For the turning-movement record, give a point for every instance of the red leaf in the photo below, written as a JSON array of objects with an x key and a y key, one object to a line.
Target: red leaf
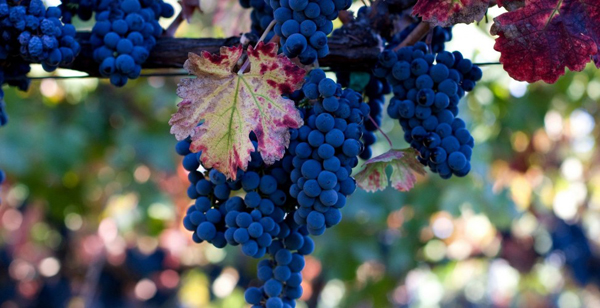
[
  {"x": 445, "y": 13},
  {"x": 538, "y": 41}
]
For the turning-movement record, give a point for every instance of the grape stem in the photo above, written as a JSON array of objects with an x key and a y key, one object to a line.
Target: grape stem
[
  {"x": 262, "y": 38},
  {"x": 170, "y": 32},
  {"x": 429, "y": 40},
  {"x": 381, "y": 131},
  {"x": 416, "y": 35}
]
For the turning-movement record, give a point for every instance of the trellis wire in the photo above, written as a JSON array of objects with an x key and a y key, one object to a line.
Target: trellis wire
[{"x": 172, "y": 74}]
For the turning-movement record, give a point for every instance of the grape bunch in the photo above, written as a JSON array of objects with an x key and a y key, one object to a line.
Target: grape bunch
[
  {"x": 271, "y": 210},
  {"x": 426, "y": 97},
  {"x": 303, "y": 26},
  {"x": 281, "y": 275},
  {"x": 256, "y": 221},
  {"x": 439, "y": 37},
  {"x": 36, "y": 34},
  {"x": 326, "y": 150},
  {"x": 251, "y": 221},
  {"x": 124, "y": 34},
  {"x": 261, "y": 16},
  {"x": 571, "y": 241}
]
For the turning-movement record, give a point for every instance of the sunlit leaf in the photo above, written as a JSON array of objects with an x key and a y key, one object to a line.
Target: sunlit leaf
[{"x": 233, "y": 105}]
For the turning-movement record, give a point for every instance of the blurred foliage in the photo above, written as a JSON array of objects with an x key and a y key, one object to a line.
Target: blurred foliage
[{"x": 92, "y": 209}]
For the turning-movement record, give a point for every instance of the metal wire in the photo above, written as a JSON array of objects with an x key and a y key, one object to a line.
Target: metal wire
[
  {"x": 170, "y": 74},
  {"x": 173, "y": 74}
]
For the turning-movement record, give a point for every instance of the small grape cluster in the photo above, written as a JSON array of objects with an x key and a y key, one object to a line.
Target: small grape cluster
[
  {"x": 426, "y": 97},
  {"x": 303, "y": 26},
  {"x": 439, "y": 37},
  {"x": 261, "y": 16},
  {"x": 124, "y": 34},
  {"x": 220, "y": 220},
  {"x": 281, "y": 275},
  {"x": 326, "y": 150},
  {"x": 36, "y": 34}
]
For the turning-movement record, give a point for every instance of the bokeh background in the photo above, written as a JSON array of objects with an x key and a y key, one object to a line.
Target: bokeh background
[{"x": 91, "y": 211}]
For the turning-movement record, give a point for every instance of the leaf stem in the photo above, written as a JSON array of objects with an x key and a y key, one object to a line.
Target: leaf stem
[
  {"x": 262, "y": 38},
  {"x": 381, "y": 131},
  {"x": 266, "y": 32}
]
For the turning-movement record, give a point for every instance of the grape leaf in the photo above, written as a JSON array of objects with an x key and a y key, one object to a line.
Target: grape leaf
[
  {"x": 404, "y": 165},
  {"x": 445, "y": 13},
  {"x": 232, "y": 105},
  {"x": 539, "y": 40}
]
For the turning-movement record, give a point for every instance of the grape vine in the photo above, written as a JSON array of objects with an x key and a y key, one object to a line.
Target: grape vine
[{"x": 270, "y": 145}]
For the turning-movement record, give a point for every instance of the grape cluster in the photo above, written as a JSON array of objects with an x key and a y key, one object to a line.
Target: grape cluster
[
  {"x": 281, "y": 275},
  {"x": 276, "y": 208},
  {"x": 326, "y": 150},
  {"x": 250, "y": 221},
  {"x": 426, "y": 97},
  {"x": 571, "y": 241},
  {"x": 261, "y": 16},
  {"x": 256, "y": 222},
  {"x": 124, "y": 34},
  {"x": 439, "y": 37},
  {"x": 303, "y": 26},
  {"x": 36, "y": 34}
]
